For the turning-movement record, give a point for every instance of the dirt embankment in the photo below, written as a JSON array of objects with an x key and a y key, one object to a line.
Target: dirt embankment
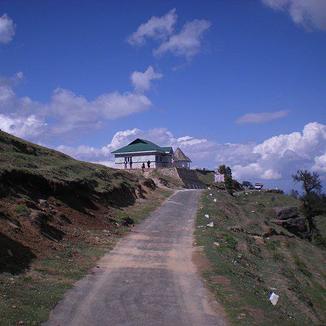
[{"x": 47, "y": 197}]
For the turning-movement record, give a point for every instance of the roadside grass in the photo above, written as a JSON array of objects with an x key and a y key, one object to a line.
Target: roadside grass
[
  {"x": 27, "y": 298},
  {"x": 247, "y": 265},
  {"x": 205, "y": 176}
]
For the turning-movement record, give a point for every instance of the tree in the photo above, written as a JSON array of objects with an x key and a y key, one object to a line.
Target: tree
[
  {"x": 248, "y": 184},
  {"x": 222, "y": 169},
  {"x": 312, "y": 201},
  {"x": 227, "y": 172},
  {"x": 310, "y": 181}
]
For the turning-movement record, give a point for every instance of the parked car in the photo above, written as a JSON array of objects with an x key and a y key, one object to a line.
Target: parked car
[{"x": 258, "y": 186}]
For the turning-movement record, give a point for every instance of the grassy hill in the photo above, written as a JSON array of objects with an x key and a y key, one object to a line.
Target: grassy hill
[
  {"x": 29, "y": 168},
  {"x": 57, "y": 217},
  {"x": 249, "y": 256}
]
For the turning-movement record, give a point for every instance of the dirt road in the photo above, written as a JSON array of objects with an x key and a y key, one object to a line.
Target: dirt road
[{"x": 148, "y": 279}]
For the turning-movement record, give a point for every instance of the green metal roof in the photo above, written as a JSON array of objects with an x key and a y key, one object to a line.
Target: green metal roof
[{"x": 142, "y": 145}]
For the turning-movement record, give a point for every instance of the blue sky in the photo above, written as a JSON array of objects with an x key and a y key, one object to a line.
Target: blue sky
[{"x": 221, "y": 79}]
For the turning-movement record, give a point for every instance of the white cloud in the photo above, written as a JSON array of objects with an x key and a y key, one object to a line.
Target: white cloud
[
  {"x": 75, "y": 111},
  {"x": 186, "y": 43},
  {"x": 142, "y": 80},
  {"x": 262, "y": 117},
  {"x": 309, "y": 13},
  {"x": 280, "y": 156},
  {"x": 201, "y": 148},
  {"x": 29, "y": 126},
  {"x": 155, "y": 27},
  {"x": 304, "y": 145},
  {"x": 7, "y": 29},
  {"x": 320, "y": 163},
  {"x": 274, "y": 159},
  {"x": 109, "y": 164},
  {"x": 68, "y": 111}
]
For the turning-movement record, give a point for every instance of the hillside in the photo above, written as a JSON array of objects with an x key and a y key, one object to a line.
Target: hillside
[
  {"x": 57, "y": 217},
  {"x": 40, "y": 188},
  {"x": 250, "y": 255},
  {"x": 28, "y": 168},
  {"x": 177, "y": 177}
]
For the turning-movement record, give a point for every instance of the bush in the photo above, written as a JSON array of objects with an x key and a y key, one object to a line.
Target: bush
[{"x": 21, "y": 210}]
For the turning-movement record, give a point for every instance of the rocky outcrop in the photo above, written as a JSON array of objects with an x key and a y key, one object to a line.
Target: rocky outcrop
[{"x": 291, "y": 220}]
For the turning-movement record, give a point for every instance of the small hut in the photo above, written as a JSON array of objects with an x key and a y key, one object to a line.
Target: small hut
[
  {"x": 142, "y": 152},
  {"x": 180, "y": 159}
]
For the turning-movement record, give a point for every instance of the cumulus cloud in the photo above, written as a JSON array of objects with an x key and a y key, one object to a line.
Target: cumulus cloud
[
  {"x": 155, "y": 28},
  {"x": 309, "y": 13},
  {"x": 68, "y": 111},
  {"x": 29, "y": 126},
  {"x": 142, "y": 80},
  {"x": 279, "y": 156},
  {"x": 74, "y": 111},
  {"x": 7, "y": 29},
  {"x": 274, "y": 159},
  {"x": 262, "y": 117},
  {"x": 186, "y": 43},
  {"x": 320, "y": 163}
]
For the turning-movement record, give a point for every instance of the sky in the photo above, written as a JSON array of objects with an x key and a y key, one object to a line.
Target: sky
[{"x": 236, "y": 82}]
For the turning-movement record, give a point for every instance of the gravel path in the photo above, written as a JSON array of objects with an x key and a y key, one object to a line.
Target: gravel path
[{"x": 149, "y": 278}]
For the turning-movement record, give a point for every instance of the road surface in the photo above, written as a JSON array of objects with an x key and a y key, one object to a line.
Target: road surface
[{"x": 149, "y": 278}]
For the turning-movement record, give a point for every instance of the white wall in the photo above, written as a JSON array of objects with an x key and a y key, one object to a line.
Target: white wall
[{"x": 139, "y": 159}]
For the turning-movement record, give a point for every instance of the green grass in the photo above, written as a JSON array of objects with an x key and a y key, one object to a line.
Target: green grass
[
  {"x": 206, "y": 177},
  {"x": 252, "y": 266},
  {"x": 21, "y": 209},
  {"x": 30, "y": 296},
  {"x": 34, "y": 160}
]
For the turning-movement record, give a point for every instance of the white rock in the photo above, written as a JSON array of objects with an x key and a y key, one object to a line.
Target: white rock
[
  {"x": 210, "y": 225},
  {"x": 214, "y": 200},
  {"x": 206, "y": 215}
]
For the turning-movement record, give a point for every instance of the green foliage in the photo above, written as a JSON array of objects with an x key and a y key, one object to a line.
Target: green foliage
[
  {"x": 205, "y": 176},
  {"x": 313, "y": 203},
  {"x": 227, "y": 172},
  {"x": 310, "y": 181},
  {"x": 21, "y": 210},
  {"x": 230, "y": 241}
]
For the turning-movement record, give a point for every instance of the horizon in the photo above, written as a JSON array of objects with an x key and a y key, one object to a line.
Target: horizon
[{"x": 229, "y": 82}]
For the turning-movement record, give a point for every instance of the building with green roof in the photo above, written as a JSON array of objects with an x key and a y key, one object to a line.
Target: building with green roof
[{"x": 143, "y": 153}]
